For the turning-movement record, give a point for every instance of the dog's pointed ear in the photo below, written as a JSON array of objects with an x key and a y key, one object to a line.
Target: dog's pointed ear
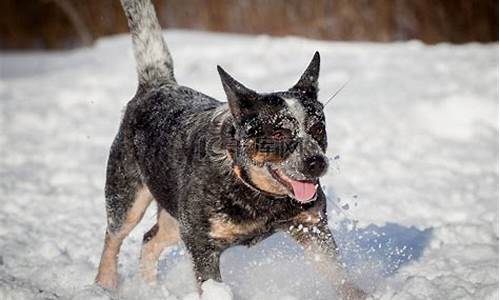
[
  {"x": 309, "y": 79},
  {"x": 240, "y": 98}
]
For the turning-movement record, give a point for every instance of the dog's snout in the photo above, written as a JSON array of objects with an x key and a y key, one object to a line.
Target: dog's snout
[{"x": 316, "y": 165}]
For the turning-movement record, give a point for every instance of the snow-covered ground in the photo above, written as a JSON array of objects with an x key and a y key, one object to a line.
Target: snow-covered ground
[{"x": 413, "y": 187}]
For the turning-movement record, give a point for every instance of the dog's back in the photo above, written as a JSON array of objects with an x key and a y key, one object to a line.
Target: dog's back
[{"x": 160, "y": 123}]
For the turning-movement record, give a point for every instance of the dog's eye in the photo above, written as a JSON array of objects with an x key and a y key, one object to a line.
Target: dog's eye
[{"x": 278, "y": 135}]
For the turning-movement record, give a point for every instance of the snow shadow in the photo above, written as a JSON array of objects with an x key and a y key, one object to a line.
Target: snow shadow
[
  {"x": 376, "y": 252},
  {"x": 276, "y": 267}
]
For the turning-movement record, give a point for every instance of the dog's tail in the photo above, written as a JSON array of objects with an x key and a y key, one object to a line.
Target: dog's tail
[{"x": 154, "y": 63}]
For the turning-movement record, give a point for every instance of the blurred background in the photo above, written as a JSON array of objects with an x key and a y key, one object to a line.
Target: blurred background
[{"x": 55, "y": 24}]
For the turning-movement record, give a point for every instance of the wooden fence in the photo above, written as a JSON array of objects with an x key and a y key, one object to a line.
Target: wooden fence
[{"x": 71, "y": 23}]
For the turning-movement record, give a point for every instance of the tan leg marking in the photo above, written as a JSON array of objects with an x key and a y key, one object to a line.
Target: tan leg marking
[
  {"x": 165, "y": 234},
  {"x": 107, "y": 276}
]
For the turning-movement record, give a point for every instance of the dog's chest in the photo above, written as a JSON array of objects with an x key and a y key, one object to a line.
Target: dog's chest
[{"x": 229, "y": 230}]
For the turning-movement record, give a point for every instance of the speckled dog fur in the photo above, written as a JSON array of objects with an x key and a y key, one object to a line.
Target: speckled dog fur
[{"x": 210, "y": 165}]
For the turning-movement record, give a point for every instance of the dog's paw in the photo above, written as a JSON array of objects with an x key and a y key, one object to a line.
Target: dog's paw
[
  {"x": 213, "y": 290},
  {"x": 93, "y": 292},
  {"x": 107, "y": 281},
  {"x": 349, "y": 292}
]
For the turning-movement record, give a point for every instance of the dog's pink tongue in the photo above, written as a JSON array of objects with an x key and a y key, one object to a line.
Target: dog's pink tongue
[{"x": 303, "y": 191}]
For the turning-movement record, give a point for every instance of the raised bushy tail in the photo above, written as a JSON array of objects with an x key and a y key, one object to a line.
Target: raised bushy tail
[{"x": 154, "y": 63}]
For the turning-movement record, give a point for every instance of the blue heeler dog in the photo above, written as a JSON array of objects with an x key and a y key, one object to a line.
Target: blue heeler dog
[{"x": 222, "y": 174}]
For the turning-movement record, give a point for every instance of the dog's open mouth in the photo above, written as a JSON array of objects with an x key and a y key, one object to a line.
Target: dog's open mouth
[{"x": 303, "y": 191}]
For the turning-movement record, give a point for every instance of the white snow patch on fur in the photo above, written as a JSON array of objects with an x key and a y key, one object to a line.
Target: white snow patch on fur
[{"x": 298, "y": 113}]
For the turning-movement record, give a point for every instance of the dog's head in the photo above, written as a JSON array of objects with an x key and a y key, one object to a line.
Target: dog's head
[{"x": 278, "y": 140}]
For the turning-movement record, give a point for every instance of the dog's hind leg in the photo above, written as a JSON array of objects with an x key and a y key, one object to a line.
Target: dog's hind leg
[
  {"x": 163, "y": 234},
  {"x": 125, "y": 205}
]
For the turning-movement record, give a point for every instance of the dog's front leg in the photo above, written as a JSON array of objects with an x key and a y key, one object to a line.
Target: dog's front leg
[
  {"x": 206, "y": 266},
  {"x": 206, "y": 259},
  {"x": 321, "y": 248}
]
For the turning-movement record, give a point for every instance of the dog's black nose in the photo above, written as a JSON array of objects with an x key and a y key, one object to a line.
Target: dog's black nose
[{"x": 316, "y": 165}]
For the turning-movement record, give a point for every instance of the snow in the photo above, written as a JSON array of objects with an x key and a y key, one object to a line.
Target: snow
[{"x": 413, "y": 183}]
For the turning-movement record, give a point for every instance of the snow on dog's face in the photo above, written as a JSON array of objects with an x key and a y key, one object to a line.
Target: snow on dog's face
[{"x": 279, "y": 139}]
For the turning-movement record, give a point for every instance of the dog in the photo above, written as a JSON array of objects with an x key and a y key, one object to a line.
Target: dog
[{"x": 221, "y": 173}]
